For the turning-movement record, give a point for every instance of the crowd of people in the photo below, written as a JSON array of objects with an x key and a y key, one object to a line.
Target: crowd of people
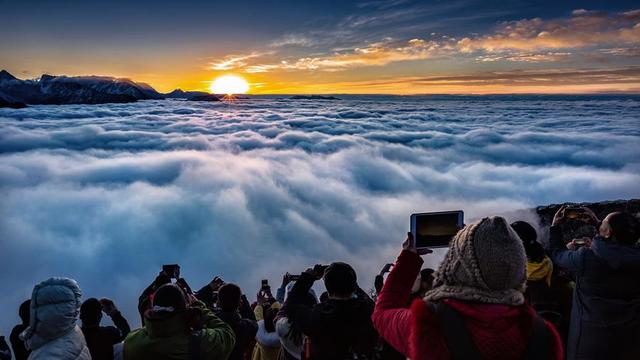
[{"x": 498, "y": 294}]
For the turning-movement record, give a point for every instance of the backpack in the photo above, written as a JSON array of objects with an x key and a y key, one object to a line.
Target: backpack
[{"x": 460, "y": 343}]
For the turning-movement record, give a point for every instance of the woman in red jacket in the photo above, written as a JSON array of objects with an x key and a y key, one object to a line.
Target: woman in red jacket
[{"x": 476, "y": 308}]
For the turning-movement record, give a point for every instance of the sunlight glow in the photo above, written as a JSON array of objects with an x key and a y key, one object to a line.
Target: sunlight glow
[{"x": 229, "y": 85}]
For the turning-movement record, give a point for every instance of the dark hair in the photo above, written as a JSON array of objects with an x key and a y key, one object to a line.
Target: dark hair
[
  {"x": 324, "y": 297},
  {"x": 170, "y": 295},
  {"x": 25, "y": 311},
  {"x": 425, "y": 273},
  {"x": 161, "y": 280},
  {"x": 340, "y": 279},
  {"x": 624, "y": 227},
  {"x": 269, "y": 319},
  {"x": 229, "y": 297},
  {"x": 529, "y": 237},
  {"x": 91, "y": 312}
]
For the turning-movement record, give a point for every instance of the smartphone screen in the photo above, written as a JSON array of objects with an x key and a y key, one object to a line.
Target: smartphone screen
[{"x": 436, "y": 229}]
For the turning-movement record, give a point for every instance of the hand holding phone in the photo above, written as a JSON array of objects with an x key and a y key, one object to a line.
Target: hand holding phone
[
  {"x": 318, "y": 270},
  {"x": 171, "y": 270},
  {"x": 409, "y": 244},
  {"x": 108, "y": 306}
]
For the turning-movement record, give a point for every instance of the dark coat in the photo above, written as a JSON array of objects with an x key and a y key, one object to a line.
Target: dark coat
[
  {"x": 244, "y": 326},
  {"x": 100, "y": 339},
  {"x": 605, "y": 317},
  {"x": 498, "y": 331},
  {"x": 337, "y": 328},
  {"x": 19, "y": 350}
]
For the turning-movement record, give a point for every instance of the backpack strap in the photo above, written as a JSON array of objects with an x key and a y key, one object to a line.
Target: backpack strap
[
  {"x": 194, "y": 345},
  {"x": 540, "y": 342},
  {"x": 455, "y": 333}
]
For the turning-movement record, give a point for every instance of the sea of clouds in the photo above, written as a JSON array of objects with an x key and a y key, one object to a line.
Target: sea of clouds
[{"x": 106, "y": 194}]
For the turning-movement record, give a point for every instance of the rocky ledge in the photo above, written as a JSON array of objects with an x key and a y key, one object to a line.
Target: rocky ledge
[{"x": 574, "y": 228}]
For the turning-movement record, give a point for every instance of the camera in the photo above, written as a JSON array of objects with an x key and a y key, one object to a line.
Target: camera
[{"x": 435, "y": 229}]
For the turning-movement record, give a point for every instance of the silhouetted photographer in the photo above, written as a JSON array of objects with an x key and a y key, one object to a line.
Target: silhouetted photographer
[{"x": 605, "y": 317}]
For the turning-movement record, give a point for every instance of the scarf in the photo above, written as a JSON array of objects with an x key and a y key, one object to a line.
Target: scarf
[{"x": 540, "y": 271}]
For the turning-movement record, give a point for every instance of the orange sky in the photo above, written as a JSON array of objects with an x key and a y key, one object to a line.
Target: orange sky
[{"x": 582, "y": 52}]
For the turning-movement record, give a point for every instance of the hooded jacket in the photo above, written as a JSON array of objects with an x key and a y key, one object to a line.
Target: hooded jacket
[
  {"x": 52, "y": 331},
  {"x": 499, "y": 331},
  {"x": 335, "y": 328},
  {"x": 605, "y": 316},
  {"x": 165, "y": 336}
]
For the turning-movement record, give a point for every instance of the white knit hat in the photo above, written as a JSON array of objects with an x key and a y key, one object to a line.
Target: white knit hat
[{"x": 486, "y": 263}]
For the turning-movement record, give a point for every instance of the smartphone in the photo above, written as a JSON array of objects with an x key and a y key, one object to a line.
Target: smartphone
[
  {"x": 294, "y": 277},
  {"x": 436, "y": 229},
  {"x": 172, "y": 270},
  {"x": 580, "y": 242}
]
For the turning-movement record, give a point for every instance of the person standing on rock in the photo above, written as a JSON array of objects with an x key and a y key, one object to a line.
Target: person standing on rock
[{"x": 605, "y": 317}]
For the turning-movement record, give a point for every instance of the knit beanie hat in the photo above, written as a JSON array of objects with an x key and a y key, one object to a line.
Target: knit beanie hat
[
  {"x": 485, "y": 263},
  {"x": 169, "y": 298}
]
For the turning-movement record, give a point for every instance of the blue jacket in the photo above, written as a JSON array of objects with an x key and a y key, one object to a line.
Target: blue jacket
[{"x": 605, "y": 316}]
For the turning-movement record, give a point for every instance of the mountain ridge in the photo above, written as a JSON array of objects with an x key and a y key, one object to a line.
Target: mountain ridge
[{"x": 61, "y": 90}]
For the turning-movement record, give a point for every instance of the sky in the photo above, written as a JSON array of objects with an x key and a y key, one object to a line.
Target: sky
[{"x": 395, "y": 46}]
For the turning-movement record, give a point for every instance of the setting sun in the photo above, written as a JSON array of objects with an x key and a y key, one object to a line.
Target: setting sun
[{"x": 229, "y": 85}]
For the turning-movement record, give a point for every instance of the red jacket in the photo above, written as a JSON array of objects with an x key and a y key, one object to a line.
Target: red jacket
[{"x": 499, "y": 331}]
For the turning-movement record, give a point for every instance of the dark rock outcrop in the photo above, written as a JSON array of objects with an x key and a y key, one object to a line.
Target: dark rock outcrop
[
  {"x": 181, "y": 94},
  {"x": 575, "y": 228},
  {"x": 206, "y": 97}
]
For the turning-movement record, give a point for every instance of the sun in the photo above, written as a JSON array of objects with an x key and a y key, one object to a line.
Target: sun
[{"x": 229, "y": 85}]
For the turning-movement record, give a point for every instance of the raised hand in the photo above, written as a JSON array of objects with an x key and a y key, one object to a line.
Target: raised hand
[
  {"x": 410, "y": 245},
  {"x": 108, "y": 306},
  {"x": 589, "y": 216},
  {"x": 559, "y": 217}
]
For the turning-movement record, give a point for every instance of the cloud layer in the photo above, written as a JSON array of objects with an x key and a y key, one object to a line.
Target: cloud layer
[
  {"x": 108, "y": 193},
  {"x": 525, "y": 40}
]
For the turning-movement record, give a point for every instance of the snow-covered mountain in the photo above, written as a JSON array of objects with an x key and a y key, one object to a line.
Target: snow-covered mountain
[{"x": 72, "y": 90}]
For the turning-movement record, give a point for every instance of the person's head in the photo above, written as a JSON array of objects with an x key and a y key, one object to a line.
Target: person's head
[
  {"x": 340, "y": 280},
  {"x": 25, "y": 311},
  {"x": 169, "y": 298},
  {"x": 56, "y": 301},
  {"x": 620, "y": 227},
  {"x": 270, "y": 312},
  {"x": 324, "y": 297},
  {"x": 485, "y": 263},
  {"x": 426, "y": 279},
  {"x": 229, "y": 297},
  {"x": 161, "y": 280},
  {"x": 529, "y": 237},
  {"x": 91, "y": 312}
]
